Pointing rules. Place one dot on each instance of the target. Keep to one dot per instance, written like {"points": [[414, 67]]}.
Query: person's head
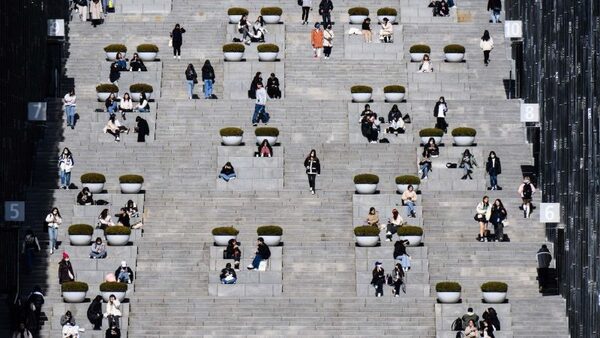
{"points": [[431, 141], [259, 85], [123, 264], [485, 200], [244, 17], [130, 203], [264, 143], [526, 179], [65, 256], [470, 310], [177, 26], [119, 56], [260, 19], [66, 151], [471, 323], [126, 97], [467, 153], [372, 211], [21, 326], [104, 213], [112, 298], [367, 20], [228, 165], [426, 57], [329, 26], [138, 119], [72, 91], [442, 99], [206, 63], [378, 265], [317, 25], [312, 154], [98, 240], [491, 310], [123, 211], [98, 299], [498, 203], [85, 190], [544, 246], [398, 266], [68, 314], [142, 96], [228, 265], [395, 108], [260, 240], [231, 242], [492, 154], [395, 212], [111, 97], [410, 187], [136, 56], [486, 35], [29, 233], [190, 67], [55, 212], [112, 118], [367, 107], [273, 75], [386, 20]]}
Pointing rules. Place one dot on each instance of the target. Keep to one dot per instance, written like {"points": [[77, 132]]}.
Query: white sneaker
{"points": [[174, 57], [231, 179], [312, 192], [178, 57]]}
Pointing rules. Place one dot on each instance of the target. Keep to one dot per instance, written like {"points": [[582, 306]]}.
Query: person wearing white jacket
{"points": [[53, 220], [113, 312], [486, 44], [260, 104], [306, 7], [328, 41], [65, 165]]}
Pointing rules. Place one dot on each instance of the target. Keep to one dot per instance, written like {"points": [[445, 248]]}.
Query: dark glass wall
{"points": [[560, 71]]}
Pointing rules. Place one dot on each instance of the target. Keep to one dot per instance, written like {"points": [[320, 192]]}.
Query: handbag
{"points": [[299, 2], [406, 118], [171, 42], [479, 218]]}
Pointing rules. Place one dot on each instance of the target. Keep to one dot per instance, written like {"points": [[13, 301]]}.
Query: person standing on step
{"points": [[36, 299], [495, 6], [378, 279], [208, 77], [141, 128], [260, 105], [262, 253], [397, 279], [94, 313], [498, 216], [328, 40], [82, 8], [409, 198], [493, 168], [96, 12], [439, 112], [177, 40], [526, 191], [325, 8], [191, 77], [53, 220], [316, 40], [114, 74], [366, 30], [313, 168], [65, 270], [544, 257], [252, 91], [273, 87], [306, 7], [401, 255], [482, 216], [467, 162], [65, 165], [486, 44], [69, 104], [29, 247]]}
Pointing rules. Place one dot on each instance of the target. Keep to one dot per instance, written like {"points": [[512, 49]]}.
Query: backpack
{"points": [[527, 191], [299, 2], [457, 325]]}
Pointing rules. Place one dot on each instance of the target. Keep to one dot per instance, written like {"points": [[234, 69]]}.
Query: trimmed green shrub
{"points": [[366, 179], [464, 131], [131, 178], [267, 48], [93, 178], [410, 230], [74, 287], [366, 230], [115, 47], [81, 229], [431, 132], [266, 131], [361, 89], [147, 48], [113, 287], [141, 88], [420, 49], [237, 11], [225, 231], [408, 179], [269, 230], [454, 48], [271, 11], [107, 88], [494, 286], [231, 131], [117, 230], [358, 11], [233, 48], [387, 11], [394, 89], [448, 287]]}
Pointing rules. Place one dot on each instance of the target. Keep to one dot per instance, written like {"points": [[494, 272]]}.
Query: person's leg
{"points": [[486, 56], [209, 88], [52, 238], [29, 259], [305, 11], [72, 115], [481, 230], [190, 88], [311, 181], [257, 109], [256, 261], [67, 179], [411, 207], [493, 181]]}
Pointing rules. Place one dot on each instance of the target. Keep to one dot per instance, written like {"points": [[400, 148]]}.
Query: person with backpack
{"points": [[30, 245], [208, 77], [325, 8], [262, 254], [493, 168], [191, 77], [469, 316], [526, 191], [259, 106]]}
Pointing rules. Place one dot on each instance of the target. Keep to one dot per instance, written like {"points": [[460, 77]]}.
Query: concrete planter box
{"points": [[235, 18], [391, 18], [394, 97], [232, 140], [271, 139], [117, 240], [412, 240], [454, 57], [222, 240], [267, 56], [147, 56], [464, 140], [95, 188], [137, 96], [112, 56], [365, 189], [271, 18], [361, 97], [102, 96], [367, 240], [448, 297], [494, 297], [74, 296], [119, 295], [357, 19], [272, 240], [80, 239], [130, 188], [403, 187], [233, 56], [416, 57], [425, 139]]}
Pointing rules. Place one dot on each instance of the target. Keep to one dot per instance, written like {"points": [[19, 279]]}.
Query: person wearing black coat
{"points": [[273, 87], [177, 40], [325, 8], [491, 317], [115, 73], [191, 78], [495, 6], [124, 274], [498, 216], [233, 252], [252, 91], [313, 168], [439, 112], [94, 312], [113, 332], [493, 168], [262, 253], [208, 77], [142, 129], [65, 270], [35, 301], [394, 114], [378, 279]]}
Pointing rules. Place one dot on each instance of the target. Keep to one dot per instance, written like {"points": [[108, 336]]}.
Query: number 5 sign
{"points": [[14, 211], [550, 212]]}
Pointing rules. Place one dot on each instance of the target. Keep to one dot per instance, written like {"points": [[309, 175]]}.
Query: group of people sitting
{"points": [[128, 216], [273, 90], [228, 172], [66, 273], [233, 251], [251, 32], [370, 124], [120, 65], [386, 33], [70, 328], [125, 104], [441, 7], [471, 327]]}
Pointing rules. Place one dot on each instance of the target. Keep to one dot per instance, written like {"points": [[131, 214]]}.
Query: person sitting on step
{"points": [[244, 29], [431, 148], [264, 149], [126, 105], [367, 112], [98, 249], [85, 197], [227, 172], [396, 126], [111, 103], [115, 127], [258, 30], [469, 316], [135, 219], [144, 105], [136, 64], [373, 217], [483, 215], [386, 33], [124, 274], [401, 255], [263, 253], [490, 317], [273, 87], [425, 165], [123, 218], [393, 224], [394, 113], [228, 275], [369, 128], [425, 66], [467, 162], [233, 252], [409, 198], [471, 331], [104, 220]]}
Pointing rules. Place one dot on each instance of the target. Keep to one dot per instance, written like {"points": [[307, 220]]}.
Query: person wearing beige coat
{"points": [[96, 12], [486, 44]]}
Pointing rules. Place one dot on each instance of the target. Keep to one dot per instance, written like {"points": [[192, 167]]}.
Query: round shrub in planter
{"points": [[271, 234], [235, 14], [464, 136], [418, 51], [267, 52], [358, 14], [266, 133], [137, 89], [74, 292], [117, 235], [113, 288], [271, 14], [231, 136], [448, 292], [454, 53], [131, 184], [112, 50], [147, 51], [233, 51], [387, 12], [402, 182], [413, 234], [366, 183], [222, 235], [366, 235], [93, 181], [394, 93], [494, 292], [80, 234], [103, 90], [361, 93], [427, 133]]}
